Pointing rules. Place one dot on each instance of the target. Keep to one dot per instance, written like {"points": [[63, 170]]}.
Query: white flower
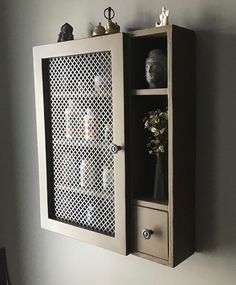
{"points": [[162, 131], [161, 148]]}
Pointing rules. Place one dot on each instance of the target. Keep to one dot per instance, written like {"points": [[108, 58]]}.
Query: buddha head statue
{"points": [[156, 69]]}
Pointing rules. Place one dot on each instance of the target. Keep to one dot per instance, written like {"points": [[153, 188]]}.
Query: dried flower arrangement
{"points": [[157, 123]]}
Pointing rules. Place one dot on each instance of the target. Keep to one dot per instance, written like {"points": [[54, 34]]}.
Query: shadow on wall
{"points": [[145, 17], [8, 204], [4, 276], [215, 141]]}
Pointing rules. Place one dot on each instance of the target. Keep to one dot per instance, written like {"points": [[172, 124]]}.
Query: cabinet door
{"points": [[80, 119]]}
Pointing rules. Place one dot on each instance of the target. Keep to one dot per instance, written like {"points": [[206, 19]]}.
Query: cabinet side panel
{"points": [[183, 143], [41, 143], [127, 92], [48, 140]]}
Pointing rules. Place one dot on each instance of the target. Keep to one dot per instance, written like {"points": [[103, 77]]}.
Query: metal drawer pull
{"points": [[147, 233], [115, 148]]}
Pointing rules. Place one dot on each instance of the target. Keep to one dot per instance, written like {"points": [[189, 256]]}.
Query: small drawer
{"points": [[155, 244]]}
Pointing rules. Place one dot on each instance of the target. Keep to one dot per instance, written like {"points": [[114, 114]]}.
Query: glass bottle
{"points": [[90, 125]]}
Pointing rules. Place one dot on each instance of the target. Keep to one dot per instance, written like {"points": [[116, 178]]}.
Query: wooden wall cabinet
{"points": [[95, 175]]}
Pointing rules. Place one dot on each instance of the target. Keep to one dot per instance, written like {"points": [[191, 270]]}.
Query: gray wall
{"points": [[39, 257]]}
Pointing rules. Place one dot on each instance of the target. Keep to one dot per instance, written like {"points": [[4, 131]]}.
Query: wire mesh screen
{"points": [[82, 133]]}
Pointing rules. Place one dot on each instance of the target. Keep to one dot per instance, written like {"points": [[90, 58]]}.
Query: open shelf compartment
{"points": [[141, 47], [143, 164]]}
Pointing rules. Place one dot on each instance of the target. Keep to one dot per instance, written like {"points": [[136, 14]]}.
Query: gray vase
{"points": [[156, 69], [159, 193]]}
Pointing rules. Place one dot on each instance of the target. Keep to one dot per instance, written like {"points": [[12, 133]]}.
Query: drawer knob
{"points": [[115, 148], [147, 233]]}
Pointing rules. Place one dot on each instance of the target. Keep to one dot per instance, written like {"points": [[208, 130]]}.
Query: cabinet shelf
{"points": [[79, 190], [84, 144], [154, 91]]}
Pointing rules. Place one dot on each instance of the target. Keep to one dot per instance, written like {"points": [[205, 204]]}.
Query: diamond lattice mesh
{"points": [[82, 132]]}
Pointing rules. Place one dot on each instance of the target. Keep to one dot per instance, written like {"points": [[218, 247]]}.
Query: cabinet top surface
{"points": [[77, 41], [153, 31], [156, 31]]}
